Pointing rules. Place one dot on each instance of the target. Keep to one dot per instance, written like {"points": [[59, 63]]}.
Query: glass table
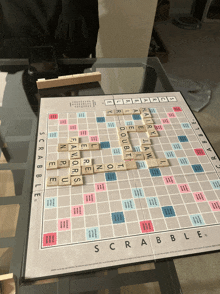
{"points": [[18, 138]]}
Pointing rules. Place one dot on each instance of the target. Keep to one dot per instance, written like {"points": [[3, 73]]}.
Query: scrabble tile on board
{"points": [[75, 155], [131, 164], [76, 181], [128, 111], [124, 142], [136, 111], [144, 109], [152, 133], [151, 163], [141, 128], [62, 147], [149, 155], [146, 114], [110, 167], [120, 166], [131, 129], [94, 146], [150, 127], [86, 161], [73, 140], [52, 181], [64, 181], [148, 121], [146, 148], [83, 146], [123, 135], [126, 148], [162, 162], [75, 162], [119, 112], [87, 170], [121, 129], [73, 147], [75, 171], [99, 168], [128, 155], [110, 112], [145, 141], [51, 164], [63, 163], [138, 155]]}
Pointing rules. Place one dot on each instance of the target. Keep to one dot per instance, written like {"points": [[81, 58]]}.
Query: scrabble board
{"points": [[120, 179]]}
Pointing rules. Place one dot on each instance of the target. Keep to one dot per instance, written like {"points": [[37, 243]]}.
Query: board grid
{"points": [[144, 205]]}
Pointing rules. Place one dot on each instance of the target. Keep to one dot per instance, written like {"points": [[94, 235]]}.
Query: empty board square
{"points": [[159, 225], [180, 210], [172, 223], [120, 230], [130, 216], [106, 232], [184, 221], [156, 213], [105, 219], [133, 228]]}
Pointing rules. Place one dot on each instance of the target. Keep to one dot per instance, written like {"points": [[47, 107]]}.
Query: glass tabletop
{"points": [[17, 142]]}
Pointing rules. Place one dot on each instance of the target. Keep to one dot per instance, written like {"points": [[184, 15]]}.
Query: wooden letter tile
{"points": [[63, 163], [141, 128], [136, 111], [64, 181], [149, 155], [138, 156], [145, 141], [151, 163], [75, 162], [110, 112], [152, 133], [150, 127], [146, 114], [75, 155], [124, 142], [76, 181], [87, 170], [73, 147], [148, 121], [118, 112], [162, 162], [62, 147], [110, 167], [131, 128], [144, 109], [127, 111], [52, 165], [94, 146], [123, 135], [126, 148], [121, 129], [73, 140], [146, 148], [128, 155], [99, 168], [86, 161], [131, 164], [120, 166], [75, 171], [83, 146], [52, 181]]}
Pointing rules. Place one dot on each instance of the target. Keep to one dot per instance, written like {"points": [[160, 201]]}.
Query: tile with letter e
{"points": [[100, 119], [110, 177], [168, 211], [197, 168], [183, 139], [136, 116], [104, 145], [155, 172], [118, 217]]}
